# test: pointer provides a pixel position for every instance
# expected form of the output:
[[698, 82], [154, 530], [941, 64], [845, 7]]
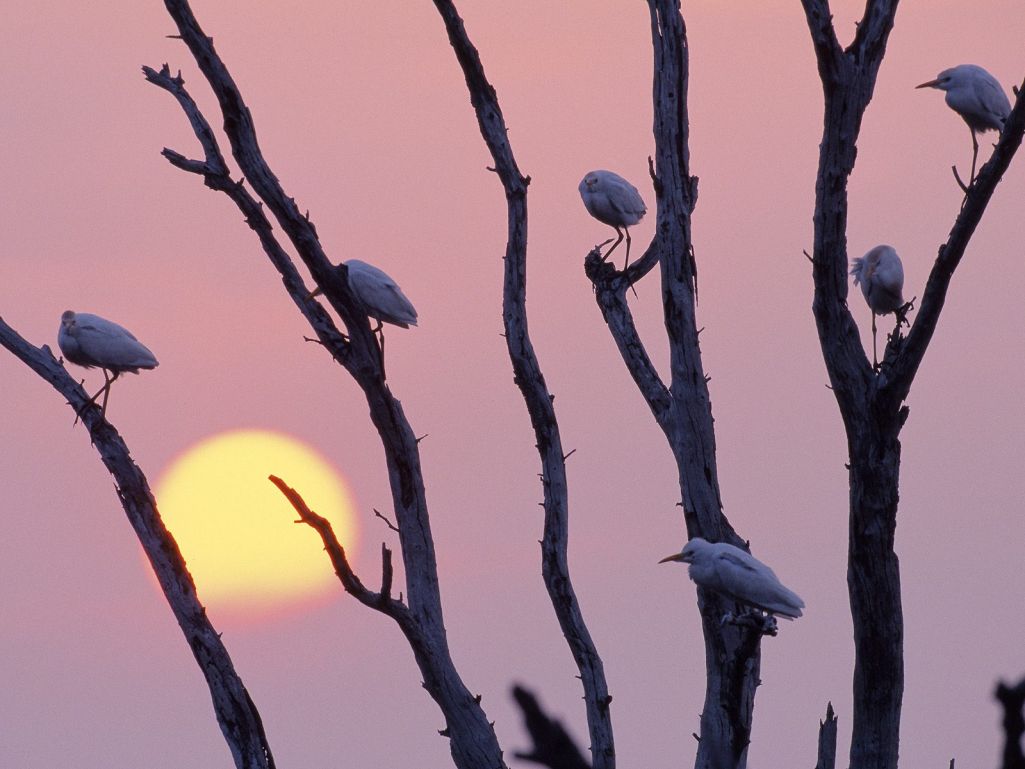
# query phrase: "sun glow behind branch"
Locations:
[[237, 532]]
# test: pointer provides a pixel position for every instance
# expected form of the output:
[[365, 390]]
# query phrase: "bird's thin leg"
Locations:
[[618, 241], [627, 262], [975, 156], [379, 331], [106, 392], [875, 355]]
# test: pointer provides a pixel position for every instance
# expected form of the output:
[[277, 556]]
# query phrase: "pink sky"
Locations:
[[363, 114]]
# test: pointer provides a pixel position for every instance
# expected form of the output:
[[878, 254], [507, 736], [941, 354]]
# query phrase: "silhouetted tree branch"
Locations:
[[472, 738], [871, 402], [540, 406], [827, 741], [1012, 699], [682, 409], [236, 713]]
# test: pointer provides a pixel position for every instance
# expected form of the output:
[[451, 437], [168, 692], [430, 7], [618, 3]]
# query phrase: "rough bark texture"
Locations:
[[1012, 699], [472, 738], [540, 403], [683, 408], [871, 402], [236, 713], [827, 741]]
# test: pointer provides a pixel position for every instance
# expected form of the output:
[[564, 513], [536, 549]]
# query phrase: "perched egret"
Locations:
[[730, 571], [977, 97], [612, 200], [89, 341], [881, 276], [380, 296]]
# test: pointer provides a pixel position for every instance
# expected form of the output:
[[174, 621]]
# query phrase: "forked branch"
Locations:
[[912, 350], [472, 739]]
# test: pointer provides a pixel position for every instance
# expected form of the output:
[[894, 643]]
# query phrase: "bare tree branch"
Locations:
[[827, 741], [895, 382], [682, 408], [352, 584], [872, 403], [236, 713], [528, 377], [216, 177], [1012, 698], [472, 739], [873, 575], [827, 47]]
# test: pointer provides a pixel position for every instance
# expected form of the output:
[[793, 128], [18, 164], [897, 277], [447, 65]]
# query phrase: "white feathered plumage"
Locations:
[[736, 574], [612, 200], [91, 341]]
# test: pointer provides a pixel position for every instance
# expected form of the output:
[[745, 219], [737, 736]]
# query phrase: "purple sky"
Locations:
[[363, 114]]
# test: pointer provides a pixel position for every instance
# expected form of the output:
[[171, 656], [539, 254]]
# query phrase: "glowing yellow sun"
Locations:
[[237, 531]]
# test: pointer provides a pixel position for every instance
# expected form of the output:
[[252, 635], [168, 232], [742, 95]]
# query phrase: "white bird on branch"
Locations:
[[738, 575], [612, 200], [381, 297], [977, 97], [88, 340], [880, 274]]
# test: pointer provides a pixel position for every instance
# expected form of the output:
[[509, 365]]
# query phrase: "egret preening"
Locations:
[[88, 340], [381, 297], [736, 574], [881, 276], [977, 97], [612, 200]]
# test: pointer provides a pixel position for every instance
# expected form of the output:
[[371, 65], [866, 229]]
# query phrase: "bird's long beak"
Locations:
[[315, 292], [674, 557], [930, 84]]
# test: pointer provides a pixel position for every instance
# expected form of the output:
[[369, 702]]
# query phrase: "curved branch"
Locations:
[[382, 601], [472, 739], [823, 36], [215, 175], [236, 713], [911, 351], [528, 377], [1012, 699], [610, 293]]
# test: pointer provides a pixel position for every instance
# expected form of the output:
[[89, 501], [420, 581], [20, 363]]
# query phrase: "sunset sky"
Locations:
[[363, 114]]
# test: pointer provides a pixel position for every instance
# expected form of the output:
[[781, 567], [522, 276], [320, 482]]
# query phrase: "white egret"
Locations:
[[881, 276], [88, 340], [736, 574], [977, 97], [380, 296], [612, 200]]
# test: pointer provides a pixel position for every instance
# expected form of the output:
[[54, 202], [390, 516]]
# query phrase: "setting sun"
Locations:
[[237, 531]]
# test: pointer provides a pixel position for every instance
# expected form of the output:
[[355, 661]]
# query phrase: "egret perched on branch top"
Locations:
[[977, 97], [736, 574], [611, 199], [89, 340], [881, 276]]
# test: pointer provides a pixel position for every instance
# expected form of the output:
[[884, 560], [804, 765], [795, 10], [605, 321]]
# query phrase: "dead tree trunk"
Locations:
[[871, 401], [472, 738], [683, 408], [540, 403]]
